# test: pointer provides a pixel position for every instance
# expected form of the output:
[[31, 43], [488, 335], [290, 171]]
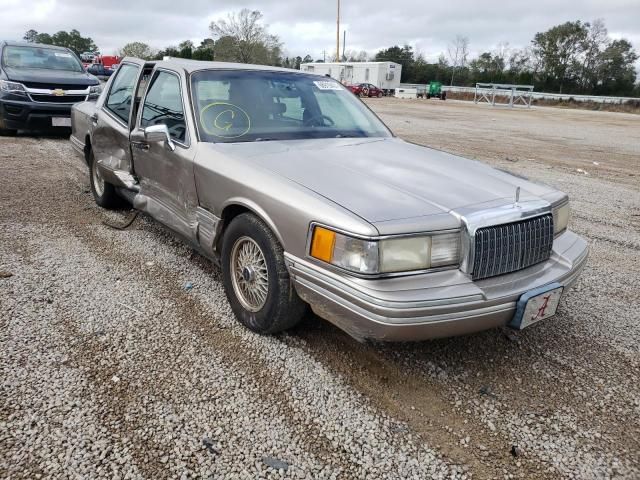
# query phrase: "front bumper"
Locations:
[[432, 305], [28, 115]]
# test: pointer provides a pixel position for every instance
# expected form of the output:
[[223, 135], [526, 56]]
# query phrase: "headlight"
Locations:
[[389, 255], [95, 91], [560, 218], [12, 87]]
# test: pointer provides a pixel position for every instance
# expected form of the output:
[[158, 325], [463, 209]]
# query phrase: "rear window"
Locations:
[[40, 58]]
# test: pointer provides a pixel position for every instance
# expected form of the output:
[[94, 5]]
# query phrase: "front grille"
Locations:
[[58, 99], [513, 246], [54, 86]]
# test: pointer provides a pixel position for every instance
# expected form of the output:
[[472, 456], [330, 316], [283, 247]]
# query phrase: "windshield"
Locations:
[[247, 106], [40, 57]]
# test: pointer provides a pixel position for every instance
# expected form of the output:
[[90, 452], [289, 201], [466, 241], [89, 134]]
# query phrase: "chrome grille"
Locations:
[[513, 246]]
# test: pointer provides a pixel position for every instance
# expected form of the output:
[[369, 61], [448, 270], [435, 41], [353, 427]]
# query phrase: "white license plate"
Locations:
[[536, 306], [60, 122]]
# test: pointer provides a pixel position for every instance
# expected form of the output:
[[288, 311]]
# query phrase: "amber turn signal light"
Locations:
[[322, 244]]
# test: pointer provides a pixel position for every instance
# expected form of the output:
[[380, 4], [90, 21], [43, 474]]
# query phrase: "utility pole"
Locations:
[[338, 34], [344, 42]]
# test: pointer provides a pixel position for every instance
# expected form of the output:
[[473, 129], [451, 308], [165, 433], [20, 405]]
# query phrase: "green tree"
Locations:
[[74, 41], [616, 68], [30, 36], [205, 50], [186, 49], [44, 38], [401, 55], [138, 50], [595, 41], [225, 50], [559, 50], [170, 51], [246, 39]]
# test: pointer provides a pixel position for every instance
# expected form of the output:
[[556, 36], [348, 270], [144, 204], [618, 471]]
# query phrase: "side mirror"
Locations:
[[159, 133]]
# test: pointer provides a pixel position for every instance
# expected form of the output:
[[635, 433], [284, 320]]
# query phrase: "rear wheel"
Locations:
[[256, 279], [103, 193]]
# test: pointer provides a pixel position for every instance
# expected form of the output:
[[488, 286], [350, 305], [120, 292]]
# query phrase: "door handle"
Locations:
[[140, 145], [94, 119]]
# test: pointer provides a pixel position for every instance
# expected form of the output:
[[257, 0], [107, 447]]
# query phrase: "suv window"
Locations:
[[163, 105], [121, 94]]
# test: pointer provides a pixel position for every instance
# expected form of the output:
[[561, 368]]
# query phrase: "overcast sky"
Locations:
[[309, 27]]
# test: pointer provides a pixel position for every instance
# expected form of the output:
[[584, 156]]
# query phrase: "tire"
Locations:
[[103, 193], [379, 94], [428, 96], [6, 132], [278, 307]]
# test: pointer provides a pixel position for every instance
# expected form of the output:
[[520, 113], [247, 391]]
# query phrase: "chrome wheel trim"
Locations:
[[249, 274], [98, 181]]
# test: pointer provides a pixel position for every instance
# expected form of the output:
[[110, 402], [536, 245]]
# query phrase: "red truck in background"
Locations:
[[109, 62]]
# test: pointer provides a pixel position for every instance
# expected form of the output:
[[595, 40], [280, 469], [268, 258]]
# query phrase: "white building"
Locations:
[[384, 75]]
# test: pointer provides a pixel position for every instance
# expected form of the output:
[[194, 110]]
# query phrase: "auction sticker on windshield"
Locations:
[[327, 85]]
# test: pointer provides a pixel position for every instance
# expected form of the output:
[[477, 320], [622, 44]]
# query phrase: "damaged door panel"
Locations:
[[164, 163], [110, 139]]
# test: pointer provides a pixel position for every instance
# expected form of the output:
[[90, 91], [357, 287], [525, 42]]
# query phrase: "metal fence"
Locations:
[[556, 96]]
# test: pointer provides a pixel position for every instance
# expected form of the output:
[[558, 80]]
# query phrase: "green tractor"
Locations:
[[435, 90]]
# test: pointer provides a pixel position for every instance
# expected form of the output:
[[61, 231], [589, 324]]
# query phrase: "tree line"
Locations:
[[574, 57]]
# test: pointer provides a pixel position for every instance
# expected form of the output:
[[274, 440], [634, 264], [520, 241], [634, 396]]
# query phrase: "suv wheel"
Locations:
[[6, 132], [256, 279]]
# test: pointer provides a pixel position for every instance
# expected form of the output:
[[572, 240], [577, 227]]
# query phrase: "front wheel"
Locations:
[[103, 193], [7, 132], [256, 279]]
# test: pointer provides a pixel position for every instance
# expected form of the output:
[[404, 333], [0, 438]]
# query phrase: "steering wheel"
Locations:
[[314, 121]]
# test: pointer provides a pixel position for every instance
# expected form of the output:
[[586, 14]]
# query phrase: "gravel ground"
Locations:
[[120, 357]]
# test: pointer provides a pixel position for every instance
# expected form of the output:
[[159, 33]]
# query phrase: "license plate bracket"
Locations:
[[60, 121], [536, 305]]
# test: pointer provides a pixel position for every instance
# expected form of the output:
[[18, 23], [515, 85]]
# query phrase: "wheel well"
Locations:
[[87, 148], [229, 213]]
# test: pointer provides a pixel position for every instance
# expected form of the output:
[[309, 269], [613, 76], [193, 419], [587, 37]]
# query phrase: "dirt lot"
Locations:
[[120, 357]]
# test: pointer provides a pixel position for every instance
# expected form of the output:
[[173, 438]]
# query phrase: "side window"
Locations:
[[121, 94], [163, 105]]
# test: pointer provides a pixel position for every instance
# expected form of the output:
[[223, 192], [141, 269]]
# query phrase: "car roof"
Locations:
[[31, 44], [196, 65]]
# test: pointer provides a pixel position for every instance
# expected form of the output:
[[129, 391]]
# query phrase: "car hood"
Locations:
[[384, 180], [39, 75]]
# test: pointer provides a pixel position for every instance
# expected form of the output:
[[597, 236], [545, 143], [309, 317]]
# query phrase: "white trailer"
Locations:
[[384, 75]]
